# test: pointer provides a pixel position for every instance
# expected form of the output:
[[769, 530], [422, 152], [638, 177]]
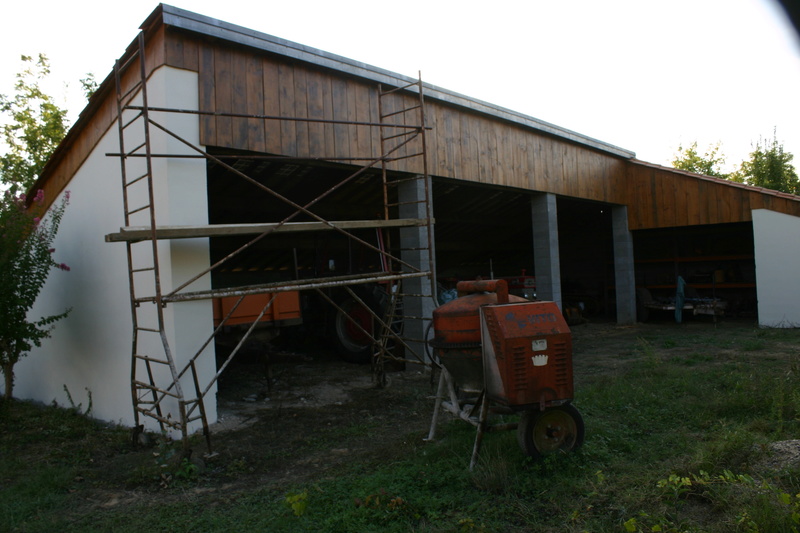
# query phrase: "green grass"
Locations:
[[673, 439]]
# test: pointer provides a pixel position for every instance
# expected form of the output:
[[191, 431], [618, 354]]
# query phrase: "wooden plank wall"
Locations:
[[662, 197], [462, 144], [232, 80]]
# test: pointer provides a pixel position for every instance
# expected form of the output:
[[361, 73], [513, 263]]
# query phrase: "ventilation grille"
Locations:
[[520, 362], [560, 355]]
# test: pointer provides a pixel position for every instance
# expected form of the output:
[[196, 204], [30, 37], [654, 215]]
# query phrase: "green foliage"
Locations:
[[166, 467], [297, 502], [708, 164], [26, 258], [186, 470], [466, 525], [770, 167], [675, 486], [89, 85], [384, 507], [765, 507], [36, 127]]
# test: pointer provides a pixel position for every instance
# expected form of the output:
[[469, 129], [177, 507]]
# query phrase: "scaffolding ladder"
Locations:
[[406, 306], [151, 352], [159, 385]]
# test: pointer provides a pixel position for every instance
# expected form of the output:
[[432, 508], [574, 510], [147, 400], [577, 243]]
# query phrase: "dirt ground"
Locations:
[[317, 412]]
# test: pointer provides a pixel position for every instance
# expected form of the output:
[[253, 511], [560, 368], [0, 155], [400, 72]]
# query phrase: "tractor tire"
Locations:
[[352, 344]]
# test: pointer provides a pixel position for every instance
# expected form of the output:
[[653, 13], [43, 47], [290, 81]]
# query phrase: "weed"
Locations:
[[650, 357], [764, 507], [187, 470], [238, 467], [645, 522], [297, 502], [675, 487], [166, 467], [492, 472], [467, 525], [77, 408]]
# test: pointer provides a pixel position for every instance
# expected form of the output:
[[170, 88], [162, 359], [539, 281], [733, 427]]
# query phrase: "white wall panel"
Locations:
[[777, 247], [91, 349]]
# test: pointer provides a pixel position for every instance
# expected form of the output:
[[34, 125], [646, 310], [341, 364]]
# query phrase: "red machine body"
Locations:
[[519, 351], [515, 352], [457, 330], [527, 354]]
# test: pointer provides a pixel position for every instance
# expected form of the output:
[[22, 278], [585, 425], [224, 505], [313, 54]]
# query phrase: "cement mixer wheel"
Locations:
[[557, 429]]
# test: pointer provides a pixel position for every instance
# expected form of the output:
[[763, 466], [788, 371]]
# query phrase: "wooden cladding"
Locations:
[[660, 197], [473, 147], [234, 81], [462, 144]]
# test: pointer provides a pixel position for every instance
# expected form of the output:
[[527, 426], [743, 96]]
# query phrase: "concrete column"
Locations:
[[414, 251], [624, 273], [545, 247]]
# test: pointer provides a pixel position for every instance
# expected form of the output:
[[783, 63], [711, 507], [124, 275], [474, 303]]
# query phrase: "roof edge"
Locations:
[[720, 181]]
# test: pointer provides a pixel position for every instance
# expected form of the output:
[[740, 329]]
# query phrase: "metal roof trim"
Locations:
[[204, 25]]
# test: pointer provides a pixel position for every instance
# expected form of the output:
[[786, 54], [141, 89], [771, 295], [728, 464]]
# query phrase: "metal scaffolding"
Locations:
[[158, 381]]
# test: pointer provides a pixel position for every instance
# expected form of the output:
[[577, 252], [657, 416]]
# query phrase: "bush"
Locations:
[[26, 258]]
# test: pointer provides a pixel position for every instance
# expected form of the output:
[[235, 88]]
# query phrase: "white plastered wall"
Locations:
[[90, 350], [776, 238]]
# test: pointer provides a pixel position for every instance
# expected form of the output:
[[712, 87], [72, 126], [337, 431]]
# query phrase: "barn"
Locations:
[[222, 179]]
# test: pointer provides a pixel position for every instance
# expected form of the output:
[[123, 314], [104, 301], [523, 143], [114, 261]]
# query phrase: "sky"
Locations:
[[646, 76]]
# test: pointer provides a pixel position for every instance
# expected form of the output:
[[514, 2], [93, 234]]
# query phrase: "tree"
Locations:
[[89, 85], [770, 167], [707, 164], [36, 127], [26, 258]]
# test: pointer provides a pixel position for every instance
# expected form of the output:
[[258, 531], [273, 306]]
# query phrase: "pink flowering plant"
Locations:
[[26, 257]]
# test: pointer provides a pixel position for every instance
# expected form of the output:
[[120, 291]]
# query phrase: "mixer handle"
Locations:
[[499, 286]]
